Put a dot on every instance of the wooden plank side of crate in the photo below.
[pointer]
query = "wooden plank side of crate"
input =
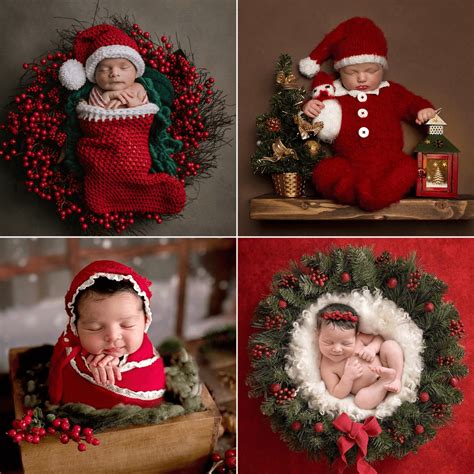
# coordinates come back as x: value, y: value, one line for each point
x: 181, y: 444
x: 272, y: 207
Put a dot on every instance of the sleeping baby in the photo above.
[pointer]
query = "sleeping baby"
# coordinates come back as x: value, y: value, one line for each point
x: 364, y: 365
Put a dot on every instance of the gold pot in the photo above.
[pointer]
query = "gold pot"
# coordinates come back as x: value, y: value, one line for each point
x: 288, y: 184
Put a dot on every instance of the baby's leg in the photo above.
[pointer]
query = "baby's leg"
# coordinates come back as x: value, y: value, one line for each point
x: 369, y: 397
x: 391, y: 356
x: 334, y: 179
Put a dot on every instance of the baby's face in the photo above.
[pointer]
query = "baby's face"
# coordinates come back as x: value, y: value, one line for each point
x: 362, y: 77
x: 336, y: 343
x: 112, y: 324
x: 115, y: 74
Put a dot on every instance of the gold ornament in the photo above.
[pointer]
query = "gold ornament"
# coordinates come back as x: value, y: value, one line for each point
x: 286, y: 81
x: 306, y: 128
x: 280, y: 152
x: 313, y: 148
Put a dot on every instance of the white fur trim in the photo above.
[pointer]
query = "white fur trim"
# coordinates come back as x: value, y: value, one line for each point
x: 126, y: 392
x: 378, y: 315
x: 72, y: 75
x: 111, y: 52
x: 309, y: 67
x: 331, y: 116
x: 361, y: 59
x: 111, y: 276
x: 91, y: 112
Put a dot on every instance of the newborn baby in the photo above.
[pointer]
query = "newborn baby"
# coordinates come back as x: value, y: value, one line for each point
x: 354, y: 363
x: 104, y: 357
x: 120, y: 129
x: 116, y: 87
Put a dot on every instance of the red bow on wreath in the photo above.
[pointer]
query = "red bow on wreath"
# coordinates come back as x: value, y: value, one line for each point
x: 355, y: 433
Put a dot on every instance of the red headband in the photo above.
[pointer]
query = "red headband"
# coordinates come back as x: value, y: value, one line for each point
x: 339, y: 316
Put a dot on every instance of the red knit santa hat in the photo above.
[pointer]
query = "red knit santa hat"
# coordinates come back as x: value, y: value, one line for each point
x: 355, y: 41
x: 93, y: 45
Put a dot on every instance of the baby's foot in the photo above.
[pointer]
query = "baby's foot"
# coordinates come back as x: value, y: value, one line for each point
x: 388, y: 374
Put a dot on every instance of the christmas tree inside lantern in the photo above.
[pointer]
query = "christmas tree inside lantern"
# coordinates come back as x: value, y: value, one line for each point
x: 437, y: 163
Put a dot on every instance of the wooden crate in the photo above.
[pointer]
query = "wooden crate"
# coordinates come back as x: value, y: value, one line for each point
x: 272, y: 207
x: 182, y: 444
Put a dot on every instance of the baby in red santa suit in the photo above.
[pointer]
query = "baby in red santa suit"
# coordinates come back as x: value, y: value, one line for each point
x: 369, y: 168
x: 104, y: 357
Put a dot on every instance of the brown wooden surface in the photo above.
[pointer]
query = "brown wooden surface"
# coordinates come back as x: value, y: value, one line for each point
x: 272, y: 207
x: 182, y: 444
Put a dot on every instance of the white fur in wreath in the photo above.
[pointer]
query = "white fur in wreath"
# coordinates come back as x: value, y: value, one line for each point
x: 378, y: 315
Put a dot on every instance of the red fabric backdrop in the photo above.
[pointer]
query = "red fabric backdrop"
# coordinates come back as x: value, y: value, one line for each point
x: 451, y: 260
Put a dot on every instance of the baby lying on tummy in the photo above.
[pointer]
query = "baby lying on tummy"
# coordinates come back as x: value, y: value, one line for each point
x: 364, y: 365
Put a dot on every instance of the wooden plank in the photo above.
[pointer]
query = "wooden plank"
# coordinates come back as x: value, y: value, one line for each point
x: 272, y: 207
x: 182, y: 444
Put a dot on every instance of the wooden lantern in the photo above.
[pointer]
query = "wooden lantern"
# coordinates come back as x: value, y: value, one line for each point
x: 437, y: 163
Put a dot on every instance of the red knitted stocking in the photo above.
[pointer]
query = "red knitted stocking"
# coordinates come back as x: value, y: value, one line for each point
x: 116, y: 160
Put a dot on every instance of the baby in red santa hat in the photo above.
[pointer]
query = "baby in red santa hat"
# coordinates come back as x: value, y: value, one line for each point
x: 104, y: 357
x: 125, y: 149
x: 369, y: 168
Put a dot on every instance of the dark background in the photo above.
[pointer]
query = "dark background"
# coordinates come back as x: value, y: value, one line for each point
x: 29, y: 29
x: 430, y: 53
x: 261, y: 450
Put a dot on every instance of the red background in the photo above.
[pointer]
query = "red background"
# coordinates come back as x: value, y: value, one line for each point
x: 451, y: 260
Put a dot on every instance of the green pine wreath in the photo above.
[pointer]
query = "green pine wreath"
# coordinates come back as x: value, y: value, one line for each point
x: 414, y: 296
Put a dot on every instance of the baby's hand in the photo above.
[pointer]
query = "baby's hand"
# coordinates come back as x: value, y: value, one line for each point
x: 104, y: 368
x: 353, y: 368
x: 313, y: 108
x: 424, y: 115
x: 366, y: 353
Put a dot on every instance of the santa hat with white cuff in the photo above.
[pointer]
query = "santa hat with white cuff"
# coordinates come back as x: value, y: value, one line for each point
x: 93, y: 45
x: 355, y: 41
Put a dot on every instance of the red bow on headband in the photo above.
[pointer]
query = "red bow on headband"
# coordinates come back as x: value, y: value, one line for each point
x: 355, y: 433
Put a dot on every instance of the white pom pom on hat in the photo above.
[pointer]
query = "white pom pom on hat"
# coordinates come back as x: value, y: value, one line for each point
x: 72, y: 75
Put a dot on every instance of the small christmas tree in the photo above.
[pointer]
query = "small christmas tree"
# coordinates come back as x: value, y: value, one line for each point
x: 284, y: 138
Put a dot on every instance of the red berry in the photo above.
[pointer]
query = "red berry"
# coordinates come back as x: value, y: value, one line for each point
x: 424, y: 397
x: 454, y: 382
x: 282, y: 304
x: 29, y: 438
x: 392, y: 282
x: 216, y: 457
x: 11, y: 433
x: 419, y: 429
x: 56, y: 422
x: 231, y: 462
x: 17, y: 438
x: 345, y: 277
x: 87, y: 431
x: 318, y: 427
x: 27, y: 419
x: 275, y: 387
x: 36, y: 439
x: 81, y: 447
x: 429, y: 307
x: 64, y: 438
x: 296, y: 426
x: 95, y: 441
x: 230, y: 453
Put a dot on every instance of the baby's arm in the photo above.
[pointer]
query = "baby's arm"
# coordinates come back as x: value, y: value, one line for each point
x: 371, y: 347
x: 313, y: 108
x: 104, y: 368
x: 341, y: 387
